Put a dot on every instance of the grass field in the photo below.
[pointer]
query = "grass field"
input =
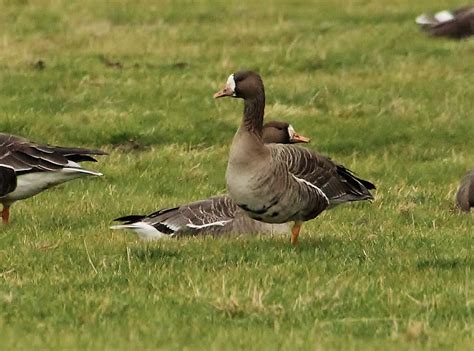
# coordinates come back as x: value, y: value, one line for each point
x: 357, y: 76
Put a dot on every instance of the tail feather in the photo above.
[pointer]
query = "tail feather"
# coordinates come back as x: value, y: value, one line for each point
x: 80, y: 158
x: 425, y: 20
x: 140, y: 222
x: 130, y: 219
x: 357, y: 188
x: 144, y: 230
x: 355, y: 181
x: 76, y: 154
x: 68, y: 151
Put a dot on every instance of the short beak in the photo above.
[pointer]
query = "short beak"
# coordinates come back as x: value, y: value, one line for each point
x: 226, y: 91
x: 296, y: 138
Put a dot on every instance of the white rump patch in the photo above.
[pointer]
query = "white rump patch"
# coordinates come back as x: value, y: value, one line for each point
x: 219, y: 223
x: 424, y: 20
x: 144, y: 230
x: 320, y: 192
x: 444, y: 16
x: 231, y: 84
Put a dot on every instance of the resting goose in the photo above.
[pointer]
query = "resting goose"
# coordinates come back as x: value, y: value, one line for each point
x: 27, y: 168
x: 465, y: 194
x: 217, y: 215
x: 277, y: 183
x: 455, y: 24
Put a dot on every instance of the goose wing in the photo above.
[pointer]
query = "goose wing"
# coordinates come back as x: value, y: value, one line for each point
x: 23, y: 156
x: 210, y: 215
x: 338, y: 183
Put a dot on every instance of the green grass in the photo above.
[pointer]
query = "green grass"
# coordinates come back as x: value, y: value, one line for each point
x: 356, y: 76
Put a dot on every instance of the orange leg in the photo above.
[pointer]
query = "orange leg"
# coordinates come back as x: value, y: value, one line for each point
x: 295, y: 231
x: 5, y: 214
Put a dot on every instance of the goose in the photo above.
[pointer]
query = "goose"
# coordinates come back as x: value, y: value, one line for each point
x: 465, y: 194
x: 276, y: 183
x: 456, y: 24
x: 28, y: 168
x: 218, y: 215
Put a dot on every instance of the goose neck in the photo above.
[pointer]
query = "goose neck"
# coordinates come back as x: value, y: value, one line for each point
x: 253, y: 114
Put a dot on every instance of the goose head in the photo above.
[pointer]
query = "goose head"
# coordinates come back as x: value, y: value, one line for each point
x: 281, y: 133
x: 242, y: 84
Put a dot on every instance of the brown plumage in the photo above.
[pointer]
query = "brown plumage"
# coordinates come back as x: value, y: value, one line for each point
x: 456, y: 24
x: 27, y: 168
x: 465, y: 194
x: 217, y: 215
x: 281, y: 183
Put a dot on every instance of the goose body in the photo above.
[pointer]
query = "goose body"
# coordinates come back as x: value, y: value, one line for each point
x: 218, y: 216
x: 280, y: 183
x: 292, y: 184
x: 264, y: 196
x: 28, y: 168
x: 456, y: 24
x: 465, y: 194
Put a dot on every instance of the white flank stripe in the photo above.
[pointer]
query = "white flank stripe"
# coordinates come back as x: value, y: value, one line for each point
x: 219, y: 223
x: 313, y: 186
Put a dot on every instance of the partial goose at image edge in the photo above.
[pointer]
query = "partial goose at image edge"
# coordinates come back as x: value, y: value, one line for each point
x: 28, y: 168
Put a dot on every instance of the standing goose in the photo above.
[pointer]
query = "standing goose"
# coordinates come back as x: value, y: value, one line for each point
x: 465, y: 194
x: 27, y: 168
x: 217, y: 215
x: 455, y: 24
x: 277, y: 183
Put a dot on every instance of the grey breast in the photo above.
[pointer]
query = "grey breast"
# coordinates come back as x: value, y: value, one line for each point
x: 282, y: 191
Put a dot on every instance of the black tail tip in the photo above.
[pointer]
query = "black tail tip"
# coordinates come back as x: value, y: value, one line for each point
x: 129, y: 219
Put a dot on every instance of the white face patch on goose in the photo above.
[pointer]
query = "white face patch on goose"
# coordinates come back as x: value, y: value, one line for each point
x: 291, y: 131
x: 231, y: 84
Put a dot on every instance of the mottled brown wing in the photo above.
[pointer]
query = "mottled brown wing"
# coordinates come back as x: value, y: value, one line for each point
x: 337, y: 182
x: 24, y: 156
x: 212, y: 215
